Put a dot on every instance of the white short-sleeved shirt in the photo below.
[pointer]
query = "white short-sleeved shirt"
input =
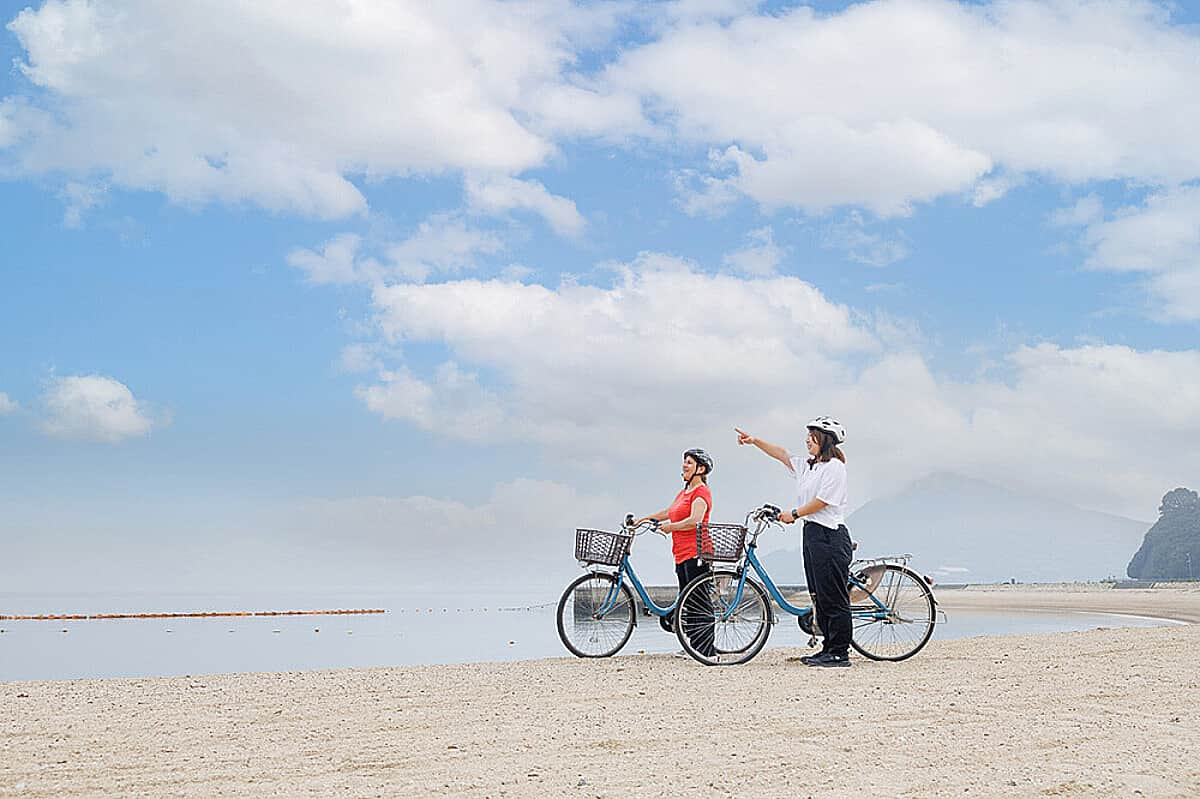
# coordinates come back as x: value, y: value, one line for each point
x: 826, y: 482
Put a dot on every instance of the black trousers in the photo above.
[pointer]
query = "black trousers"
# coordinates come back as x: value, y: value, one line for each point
x: 826, y: 565
x: 697, y: 617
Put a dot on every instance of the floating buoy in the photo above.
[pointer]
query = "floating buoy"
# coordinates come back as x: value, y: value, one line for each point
x: 189, y: 615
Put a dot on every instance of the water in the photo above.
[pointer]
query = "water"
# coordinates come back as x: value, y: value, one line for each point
x: 418, y: 629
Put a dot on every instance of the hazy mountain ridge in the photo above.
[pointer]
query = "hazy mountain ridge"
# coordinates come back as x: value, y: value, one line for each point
x: 959, y: 529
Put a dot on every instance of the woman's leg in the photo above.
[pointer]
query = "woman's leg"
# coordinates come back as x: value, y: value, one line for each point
x: 810, y: 581
x: 698, y: 619
x: 831, y: 565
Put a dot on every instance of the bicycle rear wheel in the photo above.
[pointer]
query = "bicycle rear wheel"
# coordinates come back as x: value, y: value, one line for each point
x: 595, y: 616
x: 903, y: 625
x: 715, y: 630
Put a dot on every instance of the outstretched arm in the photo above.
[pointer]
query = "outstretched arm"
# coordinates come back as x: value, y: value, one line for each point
x: 774, y: 450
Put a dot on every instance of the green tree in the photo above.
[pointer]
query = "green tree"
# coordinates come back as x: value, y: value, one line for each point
x: 1171, y: 548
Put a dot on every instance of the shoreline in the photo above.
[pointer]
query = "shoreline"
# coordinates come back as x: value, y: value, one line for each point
x: 1108, y: 711
x: 1180, y: 604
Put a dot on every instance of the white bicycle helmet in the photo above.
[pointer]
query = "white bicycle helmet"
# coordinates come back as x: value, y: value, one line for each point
x: 829, y: 425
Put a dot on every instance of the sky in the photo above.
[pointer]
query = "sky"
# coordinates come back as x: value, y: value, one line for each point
x: 364, y: 293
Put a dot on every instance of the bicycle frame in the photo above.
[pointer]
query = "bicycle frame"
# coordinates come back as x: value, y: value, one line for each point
x: 880, y: 611
x: 626, y: 570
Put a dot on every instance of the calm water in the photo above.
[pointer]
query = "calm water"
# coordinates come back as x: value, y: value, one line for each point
x: 417, y: 629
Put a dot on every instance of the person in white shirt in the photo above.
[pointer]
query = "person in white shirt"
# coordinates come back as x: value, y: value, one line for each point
x: 821, y: 488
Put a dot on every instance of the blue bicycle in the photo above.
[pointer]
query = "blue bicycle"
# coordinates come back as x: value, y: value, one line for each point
x: 597, y: 612
x: 728, y: 615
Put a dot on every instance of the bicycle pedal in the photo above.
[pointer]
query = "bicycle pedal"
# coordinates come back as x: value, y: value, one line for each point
x: 812, y: 642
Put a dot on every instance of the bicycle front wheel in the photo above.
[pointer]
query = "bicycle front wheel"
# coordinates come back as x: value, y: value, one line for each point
x: 718, y: 628
x: 595, y: 616
x: 904, y: 624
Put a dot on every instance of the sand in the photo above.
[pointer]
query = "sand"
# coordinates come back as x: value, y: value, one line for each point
x: 1109, y: 712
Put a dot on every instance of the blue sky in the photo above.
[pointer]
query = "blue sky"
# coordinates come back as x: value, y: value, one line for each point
x: 382, y: 272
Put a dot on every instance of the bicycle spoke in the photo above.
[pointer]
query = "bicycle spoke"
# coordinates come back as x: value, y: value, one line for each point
x: 718, y: 627
x: 595, y: 616
x: 903, y: 625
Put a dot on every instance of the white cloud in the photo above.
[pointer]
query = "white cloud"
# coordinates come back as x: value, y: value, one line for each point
x: 79, y: 198
x: 93, y: 407
x: 588, y: 364
x: 698, y: 194
x: 442, y: 243
x: 1086, y: 211
x: 895, y: 102
x: 453, y: 403
x: 993, y: 188
x: 334, y: 264
x: 280, y: 106
x: 626, y: 371
x: 7, y: 405
x: 882, y: 105
x: 499, y: 194
x: 851, y: 236
x: 1160, y: 238
x: 761, y: 255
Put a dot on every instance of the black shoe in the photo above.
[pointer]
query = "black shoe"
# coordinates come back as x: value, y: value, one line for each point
x: 828, y: 659
x: 808, y: 659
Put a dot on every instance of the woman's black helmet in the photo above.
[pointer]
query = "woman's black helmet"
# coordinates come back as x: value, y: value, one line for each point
x: 701, y: 457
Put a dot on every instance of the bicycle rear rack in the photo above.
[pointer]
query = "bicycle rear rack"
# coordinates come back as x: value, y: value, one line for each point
x: 902, y: 559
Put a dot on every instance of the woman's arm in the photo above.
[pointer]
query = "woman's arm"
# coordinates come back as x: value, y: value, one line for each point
x: 699, y: 508
x: 812, y: 506
x: 774, y: 450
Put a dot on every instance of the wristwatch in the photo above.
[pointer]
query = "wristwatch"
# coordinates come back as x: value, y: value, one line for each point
x: 795, y: 513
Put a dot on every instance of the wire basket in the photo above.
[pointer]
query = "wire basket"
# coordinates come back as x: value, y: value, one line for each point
x: 601, y: 546
x: 720, y: 542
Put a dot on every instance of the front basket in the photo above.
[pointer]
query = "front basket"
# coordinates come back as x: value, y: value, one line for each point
x: 720, y: 542
x: 601, y: 546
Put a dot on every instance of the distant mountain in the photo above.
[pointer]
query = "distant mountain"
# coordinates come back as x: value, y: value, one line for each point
x: 962, y: 530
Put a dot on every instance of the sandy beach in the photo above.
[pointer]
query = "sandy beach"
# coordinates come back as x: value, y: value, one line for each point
x: 1108, y: 712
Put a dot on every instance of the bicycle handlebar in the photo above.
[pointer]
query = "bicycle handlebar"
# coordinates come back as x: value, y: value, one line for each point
x: 650, y: 524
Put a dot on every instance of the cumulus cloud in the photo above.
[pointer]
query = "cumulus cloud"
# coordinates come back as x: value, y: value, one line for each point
x: 626, y: 370
x: 7, y: 405
x: 1085, y: 211
x: 441, y: 243
x: 583, y: 363
x: 1160, y: 238
x: 760, y: 256
x: 94, y: 408
x: 333, y: 264
x: 895, y: 102
x: 882, y: 105
x: 502, y: 194
x: 260, y: 103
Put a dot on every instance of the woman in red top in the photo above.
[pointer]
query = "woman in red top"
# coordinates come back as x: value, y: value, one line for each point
x: 690, y: 508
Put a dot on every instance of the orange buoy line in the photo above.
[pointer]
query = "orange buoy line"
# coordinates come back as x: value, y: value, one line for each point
x: 192, y: 615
